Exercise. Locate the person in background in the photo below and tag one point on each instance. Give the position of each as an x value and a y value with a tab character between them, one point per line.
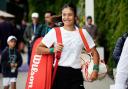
31	33
122	69
91	28
49	23
23	26
11	60
77	21
69	75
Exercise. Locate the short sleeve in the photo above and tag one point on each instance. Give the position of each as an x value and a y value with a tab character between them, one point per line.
49	38
88	38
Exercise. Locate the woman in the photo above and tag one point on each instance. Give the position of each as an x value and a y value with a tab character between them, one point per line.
68	74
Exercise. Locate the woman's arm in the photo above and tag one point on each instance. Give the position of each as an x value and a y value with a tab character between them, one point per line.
42	49
95	55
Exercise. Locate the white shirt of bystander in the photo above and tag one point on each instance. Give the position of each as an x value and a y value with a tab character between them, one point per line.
122	68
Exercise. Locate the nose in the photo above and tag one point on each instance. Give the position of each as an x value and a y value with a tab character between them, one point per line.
66	17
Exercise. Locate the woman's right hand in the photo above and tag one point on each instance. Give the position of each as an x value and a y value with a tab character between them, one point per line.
58	48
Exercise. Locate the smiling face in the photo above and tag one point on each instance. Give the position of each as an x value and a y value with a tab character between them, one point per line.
68	16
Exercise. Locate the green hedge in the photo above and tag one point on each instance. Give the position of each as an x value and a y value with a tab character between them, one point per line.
41	6
111	17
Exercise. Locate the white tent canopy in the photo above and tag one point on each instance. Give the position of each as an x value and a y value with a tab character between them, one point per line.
6	15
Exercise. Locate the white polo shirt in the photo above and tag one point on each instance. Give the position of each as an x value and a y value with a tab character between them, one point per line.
122	68
73	44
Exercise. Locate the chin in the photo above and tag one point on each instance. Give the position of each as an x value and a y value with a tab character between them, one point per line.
68	24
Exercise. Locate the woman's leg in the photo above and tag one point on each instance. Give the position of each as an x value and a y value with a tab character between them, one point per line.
76	79
61	79
68	78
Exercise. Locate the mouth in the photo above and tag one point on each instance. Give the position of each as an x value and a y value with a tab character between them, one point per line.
67	21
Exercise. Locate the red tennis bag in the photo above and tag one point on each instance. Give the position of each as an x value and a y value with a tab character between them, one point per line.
40	74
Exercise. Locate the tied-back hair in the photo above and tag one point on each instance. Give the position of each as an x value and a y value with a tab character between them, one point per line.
71	6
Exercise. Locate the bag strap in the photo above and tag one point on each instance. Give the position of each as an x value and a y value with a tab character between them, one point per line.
59	40
84	41
58	54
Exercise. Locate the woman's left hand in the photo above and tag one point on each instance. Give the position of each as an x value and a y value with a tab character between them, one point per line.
94	75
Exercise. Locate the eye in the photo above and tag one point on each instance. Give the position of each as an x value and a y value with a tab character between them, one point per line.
70	14
63	14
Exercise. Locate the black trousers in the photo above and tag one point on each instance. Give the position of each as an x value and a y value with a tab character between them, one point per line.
68	78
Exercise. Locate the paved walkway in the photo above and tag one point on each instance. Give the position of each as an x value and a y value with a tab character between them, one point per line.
99	84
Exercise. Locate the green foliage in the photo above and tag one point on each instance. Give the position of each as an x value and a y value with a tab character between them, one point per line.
111	19
41	6
81	12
